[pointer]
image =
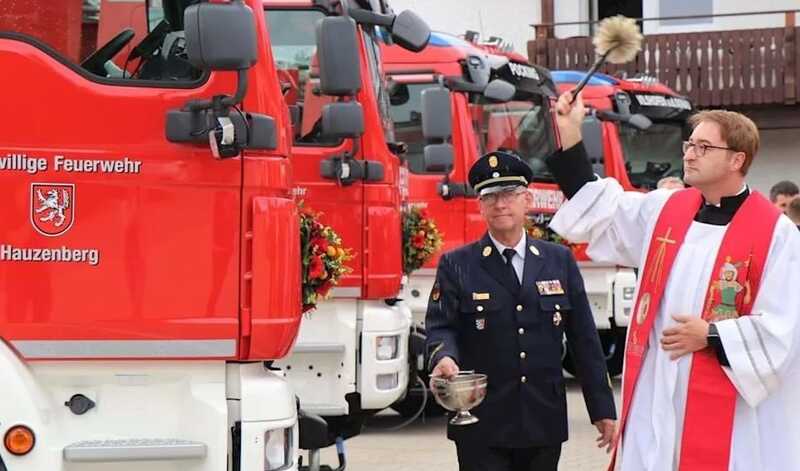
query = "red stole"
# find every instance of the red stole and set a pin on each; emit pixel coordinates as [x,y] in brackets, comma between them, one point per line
[711,399]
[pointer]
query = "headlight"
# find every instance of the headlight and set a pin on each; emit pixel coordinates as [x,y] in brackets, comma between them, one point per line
[386,347]
[627,293]
[278,449]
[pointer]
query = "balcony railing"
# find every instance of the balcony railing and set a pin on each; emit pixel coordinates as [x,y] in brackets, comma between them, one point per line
[714,68]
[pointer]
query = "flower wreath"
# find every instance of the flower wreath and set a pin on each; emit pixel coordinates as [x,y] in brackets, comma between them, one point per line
[323,256]
[541,231]
[421,239]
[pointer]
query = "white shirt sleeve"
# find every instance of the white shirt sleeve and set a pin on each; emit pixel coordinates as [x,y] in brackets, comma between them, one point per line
[615,223]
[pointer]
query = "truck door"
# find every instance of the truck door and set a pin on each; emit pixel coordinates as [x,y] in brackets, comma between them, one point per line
[112,236]
[425,187]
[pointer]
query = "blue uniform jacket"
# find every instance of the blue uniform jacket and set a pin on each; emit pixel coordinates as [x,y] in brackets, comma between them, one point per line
[477,316]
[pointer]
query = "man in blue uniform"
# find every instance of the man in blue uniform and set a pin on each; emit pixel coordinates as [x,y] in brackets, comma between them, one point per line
[501,306]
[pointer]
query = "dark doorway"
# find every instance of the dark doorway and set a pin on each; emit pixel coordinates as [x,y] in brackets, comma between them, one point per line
[629,8]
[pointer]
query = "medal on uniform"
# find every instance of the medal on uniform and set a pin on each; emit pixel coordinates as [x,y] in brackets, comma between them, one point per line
[557,319]
[480,296]
[549,287]
[480,324]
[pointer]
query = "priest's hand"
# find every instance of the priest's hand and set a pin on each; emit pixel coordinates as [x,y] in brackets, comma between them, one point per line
[569,118]
[607,429]
[689,336]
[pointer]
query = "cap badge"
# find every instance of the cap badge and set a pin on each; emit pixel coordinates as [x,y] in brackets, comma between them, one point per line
[493,161]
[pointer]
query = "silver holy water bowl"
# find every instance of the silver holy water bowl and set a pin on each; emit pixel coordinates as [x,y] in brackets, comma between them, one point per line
[460,394]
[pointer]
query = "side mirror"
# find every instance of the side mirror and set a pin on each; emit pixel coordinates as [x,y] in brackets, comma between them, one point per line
[438,158]
[499,91]
[436,114]
[478,70]
[638,121]
[337,52]
[410,32]
[343,120]
[263,133]
[220,36]
[592,133]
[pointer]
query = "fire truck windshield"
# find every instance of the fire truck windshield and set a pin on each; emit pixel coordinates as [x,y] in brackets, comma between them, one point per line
[522,126]
[653,154]
[294,48]
[122,41]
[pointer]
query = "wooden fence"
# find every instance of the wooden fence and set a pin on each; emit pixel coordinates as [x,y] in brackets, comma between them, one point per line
[714,69]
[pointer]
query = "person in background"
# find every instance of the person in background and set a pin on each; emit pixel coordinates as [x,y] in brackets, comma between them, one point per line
[793,211]
[782,193]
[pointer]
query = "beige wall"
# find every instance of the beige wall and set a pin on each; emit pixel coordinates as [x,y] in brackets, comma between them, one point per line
[508,19]
[778,159]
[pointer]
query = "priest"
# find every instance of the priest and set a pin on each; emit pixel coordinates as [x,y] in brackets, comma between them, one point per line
[712,358]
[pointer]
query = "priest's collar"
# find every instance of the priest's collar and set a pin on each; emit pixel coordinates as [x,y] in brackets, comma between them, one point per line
[721,215]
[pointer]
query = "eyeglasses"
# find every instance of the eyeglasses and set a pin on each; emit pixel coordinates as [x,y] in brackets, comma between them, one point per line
[700,149]
[504,196]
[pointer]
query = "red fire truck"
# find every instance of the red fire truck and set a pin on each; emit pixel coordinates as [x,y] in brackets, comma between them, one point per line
[351,357]
[149,256]
[481,123]
[637,152]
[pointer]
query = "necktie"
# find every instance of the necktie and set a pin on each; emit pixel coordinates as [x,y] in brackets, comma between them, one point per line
[509,255]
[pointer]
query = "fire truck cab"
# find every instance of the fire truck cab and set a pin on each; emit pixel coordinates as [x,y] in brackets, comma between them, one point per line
[149,256]
[482,123]
[351,359]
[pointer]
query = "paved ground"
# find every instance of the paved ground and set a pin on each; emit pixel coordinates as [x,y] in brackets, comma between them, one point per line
[423,445]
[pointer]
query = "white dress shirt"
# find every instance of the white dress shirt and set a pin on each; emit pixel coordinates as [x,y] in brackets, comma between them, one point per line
[518,261]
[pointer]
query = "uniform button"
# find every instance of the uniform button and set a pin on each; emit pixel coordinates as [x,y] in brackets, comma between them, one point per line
[523,355]
[558,307]
[480,308]
[521,331]
[524,379]
[519,307]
